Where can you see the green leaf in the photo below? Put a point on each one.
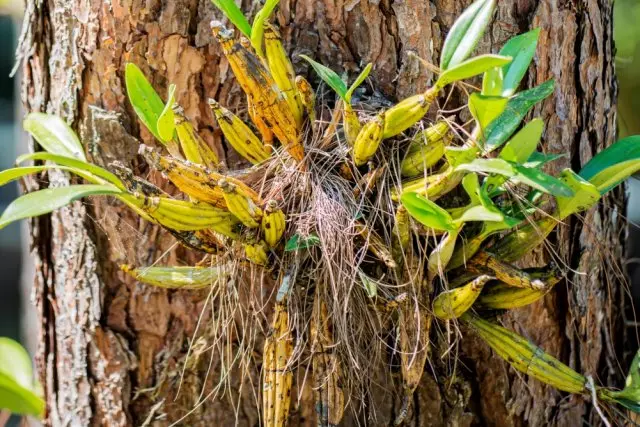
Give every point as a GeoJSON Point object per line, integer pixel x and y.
{"type": "Point", "coordinates": [465, 33]}
{"type": "Point", "coordinates": [471, 186]}
{"type": "Point", "coordinates": [493, 185]}
{"type": "Point", "coordinates": [629, 397]}
{"type": "Point", "coordinates": [145, 100]}
{"type": "Point", "coordinates": [629, 404]}
{"type": "Point", "coordinates": [497, 166]}
{"type": "Point", "coordinates": [9, 175]}
{"type": "Point", "coordinates": [585, 194]}
{"type": "Point", "coordinates": [297, 242]}
{"type": "Point", "coordinates": [485, 199]}
{"type": "Point", "coordinates": [54, 135]}
{"type": "Point", "coordinates": [72, 163]}
{"type": "Point", "coordinates": [507, 223]}
{"type": "Point", "coordinates": [458, 155]}
{"type": "Point", "coordinates": [440, 257]}
{"type": "Point", "coordinates": [363, 75]}
{"type": "Point", "coordinates": [480, 213]}
{"type": "Point", "coordinates": [19, 392]}
{"type": "Point", "coordinates": [47, 200]}
{"type": "Point", "coordinates": [537, 179]}
{"type": "Point", "coordinates": [234, 14]}
{"type": "Point", "coordinates": [504, 81]}
{"type": "Point", "coordinates": [427, 212]}
{"type": "Point", "coordinates": [520, 148]}
{"type": "Point", "coordinates": [165, 124]}
{"type": "Point", "coordinates": [538, 159]}
{"type": "Point", "coordinates": [329, 77]}
{"type": "Point", "coordinates": [506, 124]}
{"type": "Point", "coordinates": [369, 284]}
{"type": "Point", "coordinates": [492, 82]}
{"type": "Point", "coordinates": [614, 164]}
{"type": "Point", "coordinates": [633, 378]}
{"type": "Point", "coordinates": [257, 29]}
{"type": "Point", "coordinates": [486, 108]}
{"type": "Point", "coordinates": [471, 67]}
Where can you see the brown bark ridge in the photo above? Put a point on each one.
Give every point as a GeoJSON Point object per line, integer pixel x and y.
{"type": "Point", "coordinates": [111, 351]}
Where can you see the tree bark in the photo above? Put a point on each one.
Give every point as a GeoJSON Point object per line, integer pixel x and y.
{"type": "Point", "coordinates": [111, 351]}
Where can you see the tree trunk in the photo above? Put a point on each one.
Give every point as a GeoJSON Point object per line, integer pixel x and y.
{"type": "Point", "coordinates": [111, 352]}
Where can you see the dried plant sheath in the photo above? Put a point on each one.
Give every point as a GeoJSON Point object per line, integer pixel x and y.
{"type": "Point", "coordinates": [265, 95]}
{"type": "Point", "coordinates": [327, 385]}
{"type": "Point", "coordinates": [277, 374]}
{"type": "Point", "coordinates": [178, 277]}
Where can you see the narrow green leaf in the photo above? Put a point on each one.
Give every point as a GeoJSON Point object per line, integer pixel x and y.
{"type": "Point", "coordinates": [12, 174]}
{"type": "Point", "coordinates": [517, 108]}
{"type": "Point", "coordinates": [492, 185]}
{"type": "Point", "coordinates": [257, 29]}
{"type": "Point", "coordinates": [427, 212]}
{"type": "Point", "coordinates": [633, 378]}
{"type": "Point", "coordinates": [471, 67]}
{"type": "Point", "coordinates": [47, 200]}
{"type": "Point", "coordinates": [9, 175]}
{"type": "Point", "coordinates": [585, 195]}
{"type": "Point", "coordinates": [329, 77]}
{"type": "Point", "coordinates": [631, 405]}
{"type": "Point", "coordinates": [465, 33]}
{"type": "Point", "coordinates": [507, 223]}
{"type": "Point", "coordinates": [20, 393]}
{"type": "Point", "coordinates": [145, 100]}
{"type": "Point", "coordinates": [459, 155]}
{"type": "Point", "coordinates": [629, 397]}
{"type": "Point", "coordinates": [234, 14]}
{"type": "Point", "coordinates": [538, 159]}
{"type": "Point", "coordinates": [165, 124]}
{"type": "Point", "coordinates": [497, 166]}
{"type": "Point", "coordinates": [19, 400]}
{"type": "Point", "coordinates": [537, 179]}
{"type": "Point", "coordinates": [492, 82]}
{"type": "Point", "coordinates": [370, 285]}
{"type": "Point", "coordinates": [486, 108]}
{"type": "Point", "coordinates": [363, 75]}
{"type": "Point", "coordinates": [471, 186]}
{"type": "Point", "coordinates": [440, 257]}
{"type": "Point", "coordinates": [504, 81]}
{"type": "Point", "coordinates": [54, 135]}
{"type": "Point", "coordinates": [15, 362]}
{"type": "Point", "coordinates": [521, 48]}
{"type": "Point", "coordinates": [614, 164]}
{"type": "Point", "coordinates": [72, 163]}
{"type": "Point", "coordinates": [297, 242]}
{"type": "Point", "coordinates": [480, 213]}
{"type": "Point", "coordinates": [520, 148]}
{"type": "Point", "coordinates": [485, 199]}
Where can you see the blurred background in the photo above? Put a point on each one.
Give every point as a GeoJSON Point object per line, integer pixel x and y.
{"type": "Point", "coordinates": [626, 16]}
{"type": "Point", "coordinates": [13, 253]}
{"type": "Point", "coordinates": [16, 316]}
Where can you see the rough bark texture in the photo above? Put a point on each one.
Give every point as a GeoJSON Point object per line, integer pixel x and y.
{"type": "Point", "coordinates": [111, 351]}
